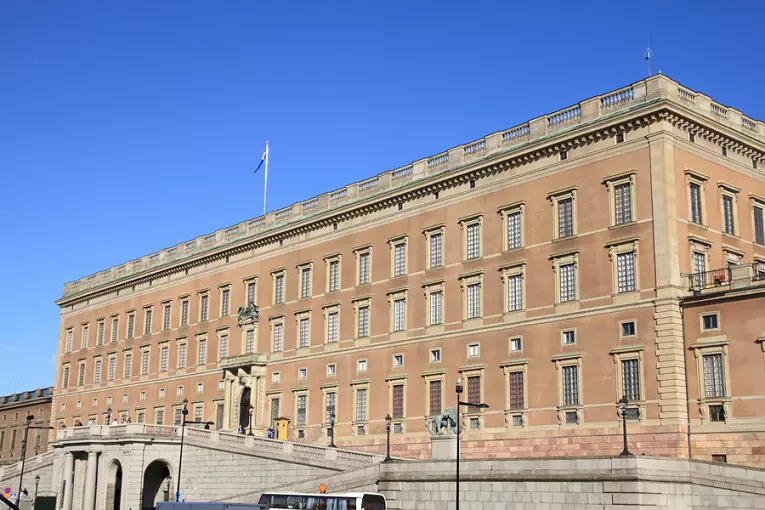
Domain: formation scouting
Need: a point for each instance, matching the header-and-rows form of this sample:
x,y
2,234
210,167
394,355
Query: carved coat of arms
x,y
248,314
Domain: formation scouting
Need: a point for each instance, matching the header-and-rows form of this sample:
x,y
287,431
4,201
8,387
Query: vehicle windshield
x,y
310,502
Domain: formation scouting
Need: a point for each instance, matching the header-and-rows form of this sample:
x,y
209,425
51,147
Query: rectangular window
x,y
163,357
436,249
278,337
305,282
112,368
710,321
97,374
571,385
699,263
514,293
302,373
730,227
695,199
473,350
305,328
65,383
249,341
569,337
178,418
623,203
334,275
128,365
399,314
202,355
301,410
714,376
399,262
69,335
363,325
363,268
759,225
131,325
516,390
81,376
160,417
473,241
361,405
145,363
182,356
185,312
398,401
332,327
330,406
474,300
474,391
331,370
225,302
631,379
85,333
628,328
274,409
514,230
115,329
567,283
147,323
436,307
516,344
166,317
362,365
203,307
279,289
100,334
223,347
625,269
435,397
717,413
566,217
398,361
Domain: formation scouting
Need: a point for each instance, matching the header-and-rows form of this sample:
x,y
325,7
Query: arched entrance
x,y
156,485
114,486
244,409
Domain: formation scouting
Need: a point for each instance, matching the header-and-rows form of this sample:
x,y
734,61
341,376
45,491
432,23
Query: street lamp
x,y
332,431
387,432
37,484
109,415
169,482
184,413
24,449
623,402
250,432
459,388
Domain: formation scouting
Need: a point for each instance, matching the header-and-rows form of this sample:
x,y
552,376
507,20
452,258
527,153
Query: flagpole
x,y
265,181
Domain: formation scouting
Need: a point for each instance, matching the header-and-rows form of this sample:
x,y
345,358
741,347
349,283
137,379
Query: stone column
x,y
90,481
227,405
66,503
254,400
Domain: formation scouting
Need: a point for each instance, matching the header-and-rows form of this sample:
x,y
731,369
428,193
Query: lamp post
x,y
387,433
169,484
24,450
184,413
459,389
250,432
37,485
109,416
623,402
332,431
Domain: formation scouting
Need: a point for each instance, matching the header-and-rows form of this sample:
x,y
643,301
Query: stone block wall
x,y
39,465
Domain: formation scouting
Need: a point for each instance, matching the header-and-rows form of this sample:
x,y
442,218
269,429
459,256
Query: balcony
x,y
730,278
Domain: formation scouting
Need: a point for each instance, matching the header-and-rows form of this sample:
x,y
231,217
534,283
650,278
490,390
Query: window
x,y
179,391
85,331
473,240
362,365
131,325
184,312
223,347
571,385
625,268
434,397
279,288
513,220
331,370
97,374
204,305
275,408
225,301
305,282
567,282
717,413
563,155
301,410
728,219
81,376
162,393
515,293
221,386
69,335
473,350
631,379
147,322
278,337
569,337
163,357
182,355
361,404
699,264
516,344
436,249
142,395
334,275
364,267
714,376
166,316
160,417
124,397
398,361
436,307
435,355
202,353
628,328
178,418
304,334
709,321
516,390
332,326
473,391
398,401
363,321
112,367
100,334
474,301
302,373
399,314
249,341
276,377
623,203
695,200
251,286
65,381
128,365
330,406
566,217
145,362
399,258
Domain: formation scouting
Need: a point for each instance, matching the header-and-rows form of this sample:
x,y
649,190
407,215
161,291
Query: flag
x,y
262,159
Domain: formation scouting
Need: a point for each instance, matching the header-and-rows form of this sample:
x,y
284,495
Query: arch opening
x,y
114,486
244,409
157,485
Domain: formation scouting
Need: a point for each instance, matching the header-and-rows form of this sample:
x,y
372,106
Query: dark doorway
x,y
244,409
114,486
155,480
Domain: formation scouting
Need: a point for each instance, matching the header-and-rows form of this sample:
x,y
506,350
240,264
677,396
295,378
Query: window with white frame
x,y
758,221
362,325
695,202
251,288
278,287
398,360
202,352
223,346
100,333
435,248
333,324
516,344
728,219
145,362
69,335
361,404
131,325
302,410
302,374
200,387
435,355
305,281
474,300
399,314
565,267
85,333
473,350
471,227
568,337
699,262
167,308
128,364
436,298
399,257
276,377
714,375
225,301
147,321
204,307
112,367
278,337
304,331
333,279
182,349
623,203
164,352
570,376
361,365
364,258
115,329
331,370
184,312
249,341
625,270
97,371
512,220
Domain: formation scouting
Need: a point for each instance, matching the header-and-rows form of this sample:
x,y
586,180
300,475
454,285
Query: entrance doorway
x,y
244,409
156,485
114,486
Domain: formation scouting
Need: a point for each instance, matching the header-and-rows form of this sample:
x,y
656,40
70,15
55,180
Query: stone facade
x,y
545,265
13,412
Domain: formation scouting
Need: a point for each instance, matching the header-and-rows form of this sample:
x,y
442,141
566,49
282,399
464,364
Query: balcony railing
x,y
732,277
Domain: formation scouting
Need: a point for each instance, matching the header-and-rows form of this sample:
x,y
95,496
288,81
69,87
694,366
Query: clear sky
x,y
127,127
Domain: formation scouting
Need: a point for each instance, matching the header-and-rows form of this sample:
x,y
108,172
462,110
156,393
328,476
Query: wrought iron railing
x,y
739,275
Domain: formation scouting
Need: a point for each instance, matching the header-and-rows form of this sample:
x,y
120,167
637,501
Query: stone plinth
x,y
443,447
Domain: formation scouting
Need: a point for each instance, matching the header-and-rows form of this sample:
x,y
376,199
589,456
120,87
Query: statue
x,y
446,420
248,314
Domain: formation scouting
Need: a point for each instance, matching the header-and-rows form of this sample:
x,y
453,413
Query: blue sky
x,y
126,127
